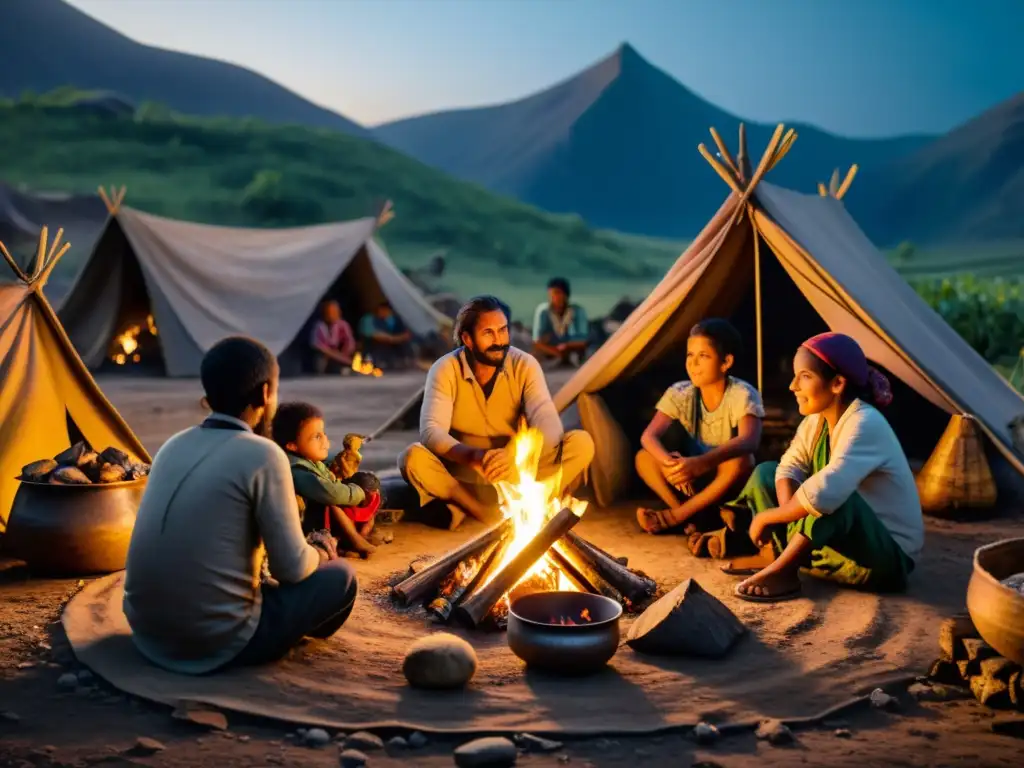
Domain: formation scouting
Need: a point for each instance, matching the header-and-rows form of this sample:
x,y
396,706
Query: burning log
x,y
577,561
420,584
478,605
570,571
634,587
467,575
575,537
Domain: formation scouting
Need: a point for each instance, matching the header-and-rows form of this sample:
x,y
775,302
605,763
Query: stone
x,y
146,746
301,733
842,733
317,737
68,681
952,633
244,739
417,740
387,537
705,733
440,661
530,743
687,621
397,744
364,740
207,718
85,677
488,752
881,700
69,476
775,732
38,471
353,758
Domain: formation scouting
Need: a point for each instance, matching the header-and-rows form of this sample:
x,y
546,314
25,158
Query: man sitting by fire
x,y
385,338
333,342
219,495
473,401
560,328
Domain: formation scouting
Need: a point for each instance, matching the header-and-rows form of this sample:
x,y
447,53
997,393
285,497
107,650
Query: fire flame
x,y
531,503
127,343
365,366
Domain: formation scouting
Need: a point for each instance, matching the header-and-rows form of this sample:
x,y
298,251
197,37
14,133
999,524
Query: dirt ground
x,y
41,725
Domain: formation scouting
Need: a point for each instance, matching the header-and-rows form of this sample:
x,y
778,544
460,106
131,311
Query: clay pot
x,y
73,530
537,636
997,610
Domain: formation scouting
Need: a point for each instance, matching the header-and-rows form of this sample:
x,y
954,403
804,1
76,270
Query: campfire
x,y
532,549
125,347
365,366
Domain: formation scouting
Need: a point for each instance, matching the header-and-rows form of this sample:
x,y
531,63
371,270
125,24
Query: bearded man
x,y
474,399
218,496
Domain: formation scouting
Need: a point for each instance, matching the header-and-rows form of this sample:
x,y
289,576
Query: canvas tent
x,y
782,266
200,283
48,399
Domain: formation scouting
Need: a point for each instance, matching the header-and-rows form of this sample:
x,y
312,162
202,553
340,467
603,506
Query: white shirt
x,y
866,458
716,427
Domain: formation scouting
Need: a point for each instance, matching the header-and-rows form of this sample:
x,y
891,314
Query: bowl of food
x,y
995,597
566,633
73,515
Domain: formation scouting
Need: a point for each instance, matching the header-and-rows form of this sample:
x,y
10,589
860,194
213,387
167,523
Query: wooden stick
x,y
833,183
822,190
758,310
18,271
106,200
634,587
571,572
743,159
577,562
442,605
784,147
476,607
724,152
573,536
419,585
845,186
721,170
40,253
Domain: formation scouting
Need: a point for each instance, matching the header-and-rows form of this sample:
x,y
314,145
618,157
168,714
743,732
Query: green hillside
x,y
246,173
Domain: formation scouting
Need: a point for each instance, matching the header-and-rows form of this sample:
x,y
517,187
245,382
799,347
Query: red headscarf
x,y
844,355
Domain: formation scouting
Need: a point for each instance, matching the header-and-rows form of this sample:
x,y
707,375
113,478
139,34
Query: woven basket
x,y
957,475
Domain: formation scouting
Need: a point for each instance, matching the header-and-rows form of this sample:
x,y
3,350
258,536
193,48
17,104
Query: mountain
x,y
45,44
967,186
617,144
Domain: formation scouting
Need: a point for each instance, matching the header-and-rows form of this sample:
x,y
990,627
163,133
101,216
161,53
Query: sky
x,y
852,67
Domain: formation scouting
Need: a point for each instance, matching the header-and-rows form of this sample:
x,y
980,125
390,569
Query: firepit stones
x,y
566,633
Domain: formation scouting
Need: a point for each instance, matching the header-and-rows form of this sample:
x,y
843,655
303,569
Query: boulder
x,y
686,621
489,752
440,661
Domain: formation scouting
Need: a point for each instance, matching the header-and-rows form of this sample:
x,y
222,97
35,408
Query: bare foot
x,y
362,546
770,585
750,564
654,520
457,517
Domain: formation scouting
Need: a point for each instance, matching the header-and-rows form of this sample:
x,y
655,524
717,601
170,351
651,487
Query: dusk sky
x,y
856,67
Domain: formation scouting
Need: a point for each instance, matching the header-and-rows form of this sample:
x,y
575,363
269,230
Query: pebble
x,y
85,677
364,740
146,746
775,732
300,732
209,718
882,700
244,739
417,740
530,743
317,737
397,744
68,681
705,733
388,537
489,752
340,736
353,758
842,733
439,661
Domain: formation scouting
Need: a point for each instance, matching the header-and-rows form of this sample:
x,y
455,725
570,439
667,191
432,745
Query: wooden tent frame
x,y
46,259
113,198
838,188
738,175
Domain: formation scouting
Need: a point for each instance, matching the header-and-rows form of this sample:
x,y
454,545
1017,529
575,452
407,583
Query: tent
x,y
783,266
48,399
196,284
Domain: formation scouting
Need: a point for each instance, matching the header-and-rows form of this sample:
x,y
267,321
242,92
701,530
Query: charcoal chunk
x,y
114,455
69,476
38,471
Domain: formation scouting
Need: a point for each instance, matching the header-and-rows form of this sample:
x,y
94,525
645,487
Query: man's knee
x,y
337,581
578,447
413,459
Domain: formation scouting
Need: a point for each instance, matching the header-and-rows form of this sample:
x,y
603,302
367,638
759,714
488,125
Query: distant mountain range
x,y
45,44
617,144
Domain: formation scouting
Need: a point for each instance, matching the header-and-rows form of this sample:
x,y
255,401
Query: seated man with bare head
x,y
474,399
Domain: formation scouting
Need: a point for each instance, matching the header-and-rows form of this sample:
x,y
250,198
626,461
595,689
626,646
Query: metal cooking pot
x,y
73,530
996,610
550,631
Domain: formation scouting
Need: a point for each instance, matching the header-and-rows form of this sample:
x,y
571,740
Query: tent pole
x,y
757,308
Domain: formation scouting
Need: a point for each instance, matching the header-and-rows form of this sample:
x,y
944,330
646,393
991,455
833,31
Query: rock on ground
x,y
417,740
363,740
489,752
439,661
705,733
775,732
530,743
353,758
317,737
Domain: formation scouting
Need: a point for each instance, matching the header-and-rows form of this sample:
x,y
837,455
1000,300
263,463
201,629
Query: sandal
x,y
697,543
654,520
782,597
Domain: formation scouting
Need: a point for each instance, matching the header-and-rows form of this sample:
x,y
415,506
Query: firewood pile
x,y
80,465
969,661
474,584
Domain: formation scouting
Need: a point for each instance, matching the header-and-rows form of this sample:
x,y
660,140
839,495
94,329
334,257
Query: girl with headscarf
x,y
842,502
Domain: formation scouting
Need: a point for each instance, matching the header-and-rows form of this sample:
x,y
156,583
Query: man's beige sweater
x,y
213,499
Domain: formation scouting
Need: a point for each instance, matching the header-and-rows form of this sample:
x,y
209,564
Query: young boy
x,y
721,417
324,501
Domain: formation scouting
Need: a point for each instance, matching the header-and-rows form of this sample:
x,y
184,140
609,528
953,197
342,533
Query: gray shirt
x,y
214,498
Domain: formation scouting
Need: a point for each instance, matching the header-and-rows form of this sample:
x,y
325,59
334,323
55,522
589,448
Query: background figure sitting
x,y
385,338
332,340
560,329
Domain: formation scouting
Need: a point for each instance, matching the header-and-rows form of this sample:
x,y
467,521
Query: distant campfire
x,y
127,347
365,366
